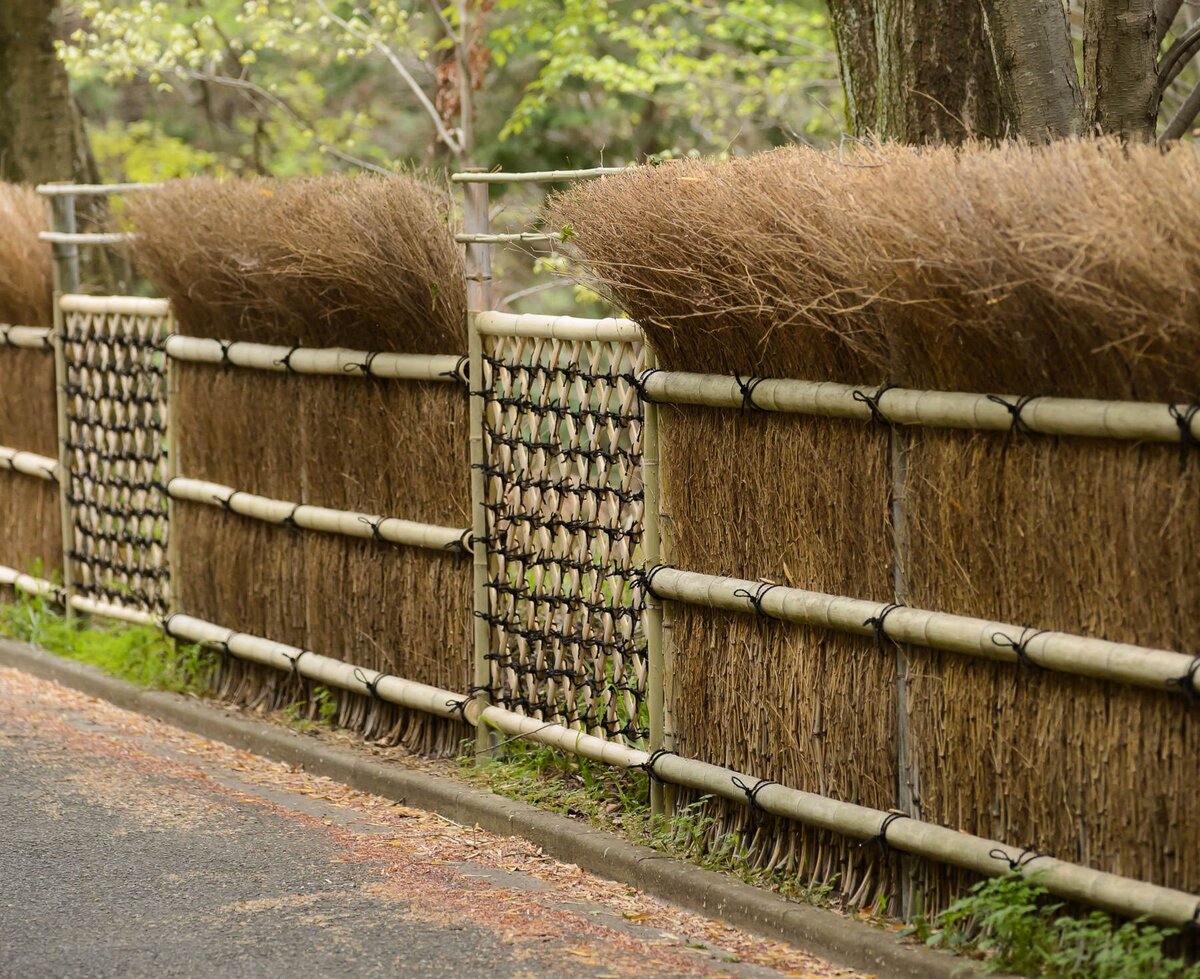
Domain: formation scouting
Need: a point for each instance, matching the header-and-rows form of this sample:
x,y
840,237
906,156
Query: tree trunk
x,y
41,134
1031,49
1120,48
917,71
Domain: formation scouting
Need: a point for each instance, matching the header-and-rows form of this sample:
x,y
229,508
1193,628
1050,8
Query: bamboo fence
x,y
880,628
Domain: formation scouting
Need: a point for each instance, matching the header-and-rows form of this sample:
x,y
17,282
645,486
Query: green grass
x,y
1010,924
138,654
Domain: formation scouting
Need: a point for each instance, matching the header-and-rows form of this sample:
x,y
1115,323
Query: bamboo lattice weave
x,y
564,499
115,388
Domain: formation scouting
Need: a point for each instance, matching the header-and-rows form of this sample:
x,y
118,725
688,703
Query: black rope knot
x,y
756,597
639,383
751,791
645,578
375,523
876,622
293,660
463,545
371,685
225,345
365,365
872,403
286,360
648,765
1188,439
880,839
1020,646
747,388
1020,861
1187,682
290,520
1017,424
460,372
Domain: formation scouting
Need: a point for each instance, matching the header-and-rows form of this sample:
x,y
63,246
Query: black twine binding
x,y
459,707
747,388
1020,645
1017,425
290,520
371,685
463,545
872,403
460,372
225,345
375,524
1187,682
756,598
648,765
880,839
365,366
639,382
751,791
1020,861
1188,439
876,622
294,660
646,576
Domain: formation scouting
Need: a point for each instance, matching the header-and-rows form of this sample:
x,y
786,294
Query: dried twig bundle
x,y
25,267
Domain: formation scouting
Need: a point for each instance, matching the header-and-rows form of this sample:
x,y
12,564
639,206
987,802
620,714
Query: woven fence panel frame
x,y
116,420
563,429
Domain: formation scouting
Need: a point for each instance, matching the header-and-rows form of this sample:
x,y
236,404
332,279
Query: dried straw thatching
x,y
1072,270
363,263
28,415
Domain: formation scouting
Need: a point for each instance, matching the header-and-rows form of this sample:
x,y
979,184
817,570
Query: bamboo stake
x,y
500,239
348,523
1157,669
479,298
569,328
173,465
1119,895
315,360
65,487
84,237
91,190
652,557
940,409
29,463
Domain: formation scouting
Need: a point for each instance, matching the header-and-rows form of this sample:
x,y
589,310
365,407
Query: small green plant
x,y
1010,923
138,654
320,707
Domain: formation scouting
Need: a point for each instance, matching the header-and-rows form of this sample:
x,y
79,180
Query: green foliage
x,y
1010,923
319,708
140,655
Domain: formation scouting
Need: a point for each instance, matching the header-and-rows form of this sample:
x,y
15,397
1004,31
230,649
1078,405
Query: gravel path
x,y
130,848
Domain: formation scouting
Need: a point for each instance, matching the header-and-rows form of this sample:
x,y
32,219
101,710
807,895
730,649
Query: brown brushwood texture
x,y
800,502
352,262
29,508
1071,270
1084,536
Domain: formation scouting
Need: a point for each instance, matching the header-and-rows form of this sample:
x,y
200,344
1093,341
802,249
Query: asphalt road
x,y
129,848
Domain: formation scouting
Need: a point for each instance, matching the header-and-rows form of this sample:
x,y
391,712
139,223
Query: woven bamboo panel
x,y
116,422
563,452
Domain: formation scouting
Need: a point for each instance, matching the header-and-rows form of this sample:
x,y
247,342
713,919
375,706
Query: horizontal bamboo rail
x,y
1119,895
1157,669
535,176
569,328
29,463
502,238
91,190
943,409
29,337
315,360
85,237
347,523
114,305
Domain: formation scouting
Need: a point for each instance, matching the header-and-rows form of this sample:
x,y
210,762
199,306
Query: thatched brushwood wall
x,y
367,264
1072,270
29,508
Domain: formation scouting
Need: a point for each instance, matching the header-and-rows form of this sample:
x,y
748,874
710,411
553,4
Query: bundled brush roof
x,y
26,284
1071,269
361,262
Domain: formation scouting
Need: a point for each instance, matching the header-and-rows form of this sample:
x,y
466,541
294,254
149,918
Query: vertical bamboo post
x,y
479,298
174,466
66,279
907,774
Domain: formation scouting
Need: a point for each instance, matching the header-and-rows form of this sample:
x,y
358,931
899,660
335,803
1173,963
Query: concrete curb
x,y
839,939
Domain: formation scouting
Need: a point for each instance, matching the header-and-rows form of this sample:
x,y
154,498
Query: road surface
x,y
130,848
